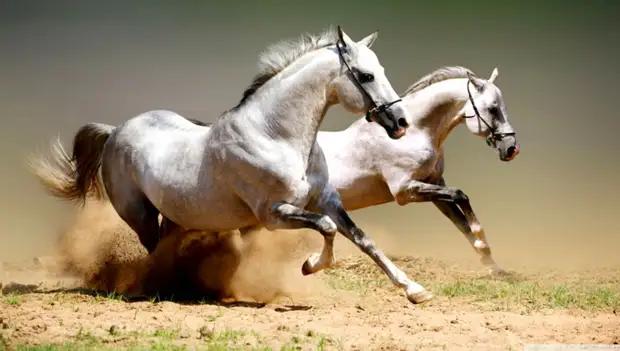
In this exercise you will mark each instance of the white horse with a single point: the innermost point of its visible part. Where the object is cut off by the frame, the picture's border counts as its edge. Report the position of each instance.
(258, 165)
(368, 169)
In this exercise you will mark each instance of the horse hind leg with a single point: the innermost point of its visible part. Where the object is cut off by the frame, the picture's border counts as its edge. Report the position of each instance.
(454, 213)
(166, 227)
(142, 216)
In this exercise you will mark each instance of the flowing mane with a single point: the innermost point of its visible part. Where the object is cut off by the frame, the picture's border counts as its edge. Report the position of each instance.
(439, 75)
(280, 55)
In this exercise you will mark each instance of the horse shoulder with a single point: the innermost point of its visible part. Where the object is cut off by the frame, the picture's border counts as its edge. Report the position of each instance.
(415, 155)
(265, 168)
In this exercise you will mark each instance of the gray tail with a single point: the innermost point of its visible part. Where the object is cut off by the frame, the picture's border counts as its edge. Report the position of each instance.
(74, 178)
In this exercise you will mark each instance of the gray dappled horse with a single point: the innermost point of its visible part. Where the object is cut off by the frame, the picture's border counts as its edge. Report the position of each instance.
(257, 166)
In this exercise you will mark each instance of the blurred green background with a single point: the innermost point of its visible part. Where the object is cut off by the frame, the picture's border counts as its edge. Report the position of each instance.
(63, 64)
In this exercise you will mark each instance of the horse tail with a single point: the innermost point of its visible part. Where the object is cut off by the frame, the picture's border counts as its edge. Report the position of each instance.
(77, 177)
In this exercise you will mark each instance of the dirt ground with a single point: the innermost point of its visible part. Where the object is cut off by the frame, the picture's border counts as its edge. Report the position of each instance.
(101, 291)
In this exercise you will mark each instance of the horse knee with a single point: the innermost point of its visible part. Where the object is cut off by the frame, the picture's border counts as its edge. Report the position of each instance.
(460, 196)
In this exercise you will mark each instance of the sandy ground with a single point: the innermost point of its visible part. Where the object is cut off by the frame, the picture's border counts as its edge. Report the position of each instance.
(350, 307)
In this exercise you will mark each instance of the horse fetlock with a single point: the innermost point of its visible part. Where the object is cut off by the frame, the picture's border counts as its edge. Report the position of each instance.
(481, 244)
(481, 241)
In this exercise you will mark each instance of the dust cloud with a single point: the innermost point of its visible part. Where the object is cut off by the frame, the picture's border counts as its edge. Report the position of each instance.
(99, 248)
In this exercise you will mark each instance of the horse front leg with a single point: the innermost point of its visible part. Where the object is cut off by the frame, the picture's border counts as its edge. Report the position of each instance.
(331, 205)
(284, 215)
(454, 204)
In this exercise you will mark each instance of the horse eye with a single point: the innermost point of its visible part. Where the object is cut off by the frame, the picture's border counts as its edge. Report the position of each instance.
(494, 111)
(365, 77)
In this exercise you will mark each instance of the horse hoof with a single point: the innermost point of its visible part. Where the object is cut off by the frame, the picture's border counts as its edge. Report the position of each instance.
(306, 269)
(312, 264)
(499, 273)
(420, 297)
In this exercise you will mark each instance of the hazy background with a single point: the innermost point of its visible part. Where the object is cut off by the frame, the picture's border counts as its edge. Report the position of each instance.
(63, 64)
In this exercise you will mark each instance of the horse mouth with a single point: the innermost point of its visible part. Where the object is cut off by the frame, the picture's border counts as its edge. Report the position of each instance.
(397, 133)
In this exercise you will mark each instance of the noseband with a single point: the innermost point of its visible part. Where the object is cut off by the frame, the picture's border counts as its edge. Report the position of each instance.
(494, 137)
(377, 109)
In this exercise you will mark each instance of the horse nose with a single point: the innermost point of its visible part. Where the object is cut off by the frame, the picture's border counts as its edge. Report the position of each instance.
(511, 152)
(402, 123)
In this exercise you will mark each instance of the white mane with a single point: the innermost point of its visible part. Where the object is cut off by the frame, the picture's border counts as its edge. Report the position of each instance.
(280, 55)
(439, 75)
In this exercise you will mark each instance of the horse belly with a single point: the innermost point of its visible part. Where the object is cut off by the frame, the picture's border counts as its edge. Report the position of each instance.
(364, 192)
(193, 198)
(214, 209)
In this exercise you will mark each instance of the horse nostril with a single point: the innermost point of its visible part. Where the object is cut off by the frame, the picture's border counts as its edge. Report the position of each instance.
(403, 123)
(510, 151)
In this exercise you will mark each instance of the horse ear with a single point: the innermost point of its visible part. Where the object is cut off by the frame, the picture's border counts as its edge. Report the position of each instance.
(344, 38)
(494, 75)
(476, 82)
(369, 40)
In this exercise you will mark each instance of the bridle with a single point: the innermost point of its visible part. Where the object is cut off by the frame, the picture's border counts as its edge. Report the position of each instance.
(377, 109)
(494, 136)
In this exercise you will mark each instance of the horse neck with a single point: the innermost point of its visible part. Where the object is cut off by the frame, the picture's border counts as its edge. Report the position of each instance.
(435, 108)
(297, 99)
